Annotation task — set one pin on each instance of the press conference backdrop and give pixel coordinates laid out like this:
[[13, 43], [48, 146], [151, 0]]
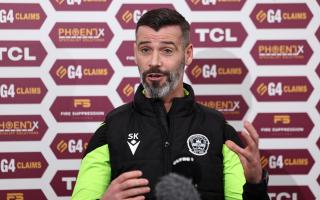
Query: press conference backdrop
[[65, 63]]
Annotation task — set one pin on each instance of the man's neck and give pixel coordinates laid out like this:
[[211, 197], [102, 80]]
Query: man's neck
[[167, 100]]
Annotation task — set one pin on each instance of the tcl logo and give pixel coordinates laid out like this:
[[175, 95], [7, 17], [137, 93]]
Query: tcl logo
[[283, 195], [73, 146], [21, 53], [17, 54], [286, 192], [68, 182], [215, 35], [218, 34], [63, 182], [7, 166]]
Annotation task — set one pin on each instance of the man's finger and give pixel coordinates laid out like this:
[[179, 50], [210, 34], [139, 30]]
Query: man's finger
[[235, 148], [136, 198], [252, 131], [134, 182], [128, 175], [249, 140], [135, 192]]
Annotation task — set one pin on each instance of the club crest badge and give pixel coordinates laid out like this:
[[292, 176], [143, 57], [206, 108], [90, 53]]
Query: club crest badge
[[198, 144]]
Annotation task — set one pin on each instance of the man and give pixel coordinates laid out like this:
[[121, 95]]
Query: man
[[138, 142]]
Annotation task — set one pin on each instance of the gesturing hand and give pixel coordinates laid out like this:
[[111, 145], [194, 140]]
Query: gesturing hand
[[249, 156], [128, 186]]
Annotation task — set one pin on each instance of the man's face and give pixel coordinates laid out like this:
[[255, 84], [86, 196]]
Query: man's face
[[161, 57]]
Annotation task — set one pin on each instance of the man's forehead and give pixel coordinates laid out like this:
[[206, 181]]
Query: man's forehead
[[166, 33]]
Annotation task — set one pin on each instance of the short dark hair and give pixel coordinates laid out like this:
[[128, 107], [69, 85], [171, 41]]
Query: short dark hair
[[158, 18]]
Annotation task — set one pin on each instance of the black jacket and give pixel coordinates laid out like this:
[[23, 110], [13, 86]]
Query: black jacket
[[142, 135]]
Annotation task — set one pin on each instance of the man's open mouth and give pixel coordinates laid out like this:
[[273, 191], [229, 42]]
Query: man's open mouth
[[155, 76]]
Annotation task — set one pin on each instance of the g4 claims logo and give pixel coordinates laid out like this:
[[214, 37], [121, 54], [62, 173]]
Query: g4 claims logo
[[281, 16], [72, 145], [287, 161], [7, 165], [81, 72], [209, 5], [282, 88]]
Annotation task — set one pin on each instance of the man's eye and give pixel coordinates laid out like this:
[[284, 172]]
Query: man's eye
[[144, 50], [168, 51]]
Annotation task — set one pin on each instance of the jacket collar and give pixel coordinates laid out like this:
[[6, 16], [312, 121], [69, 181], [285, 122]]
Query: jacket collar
[[154, 107]]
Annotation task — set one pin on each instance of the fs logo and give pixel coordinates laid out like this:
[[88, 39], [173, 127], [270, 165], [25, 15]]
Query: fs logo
[[84, 103], [283, 119], [15, 196]]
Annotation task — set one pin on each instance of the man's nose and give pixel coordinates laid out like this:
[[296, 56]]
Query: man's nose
[[155, 59]]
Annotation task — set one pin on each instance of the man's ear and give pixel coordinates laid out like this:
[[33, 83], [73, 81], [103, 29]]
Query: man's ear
[[135, 51], [188, 54]]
